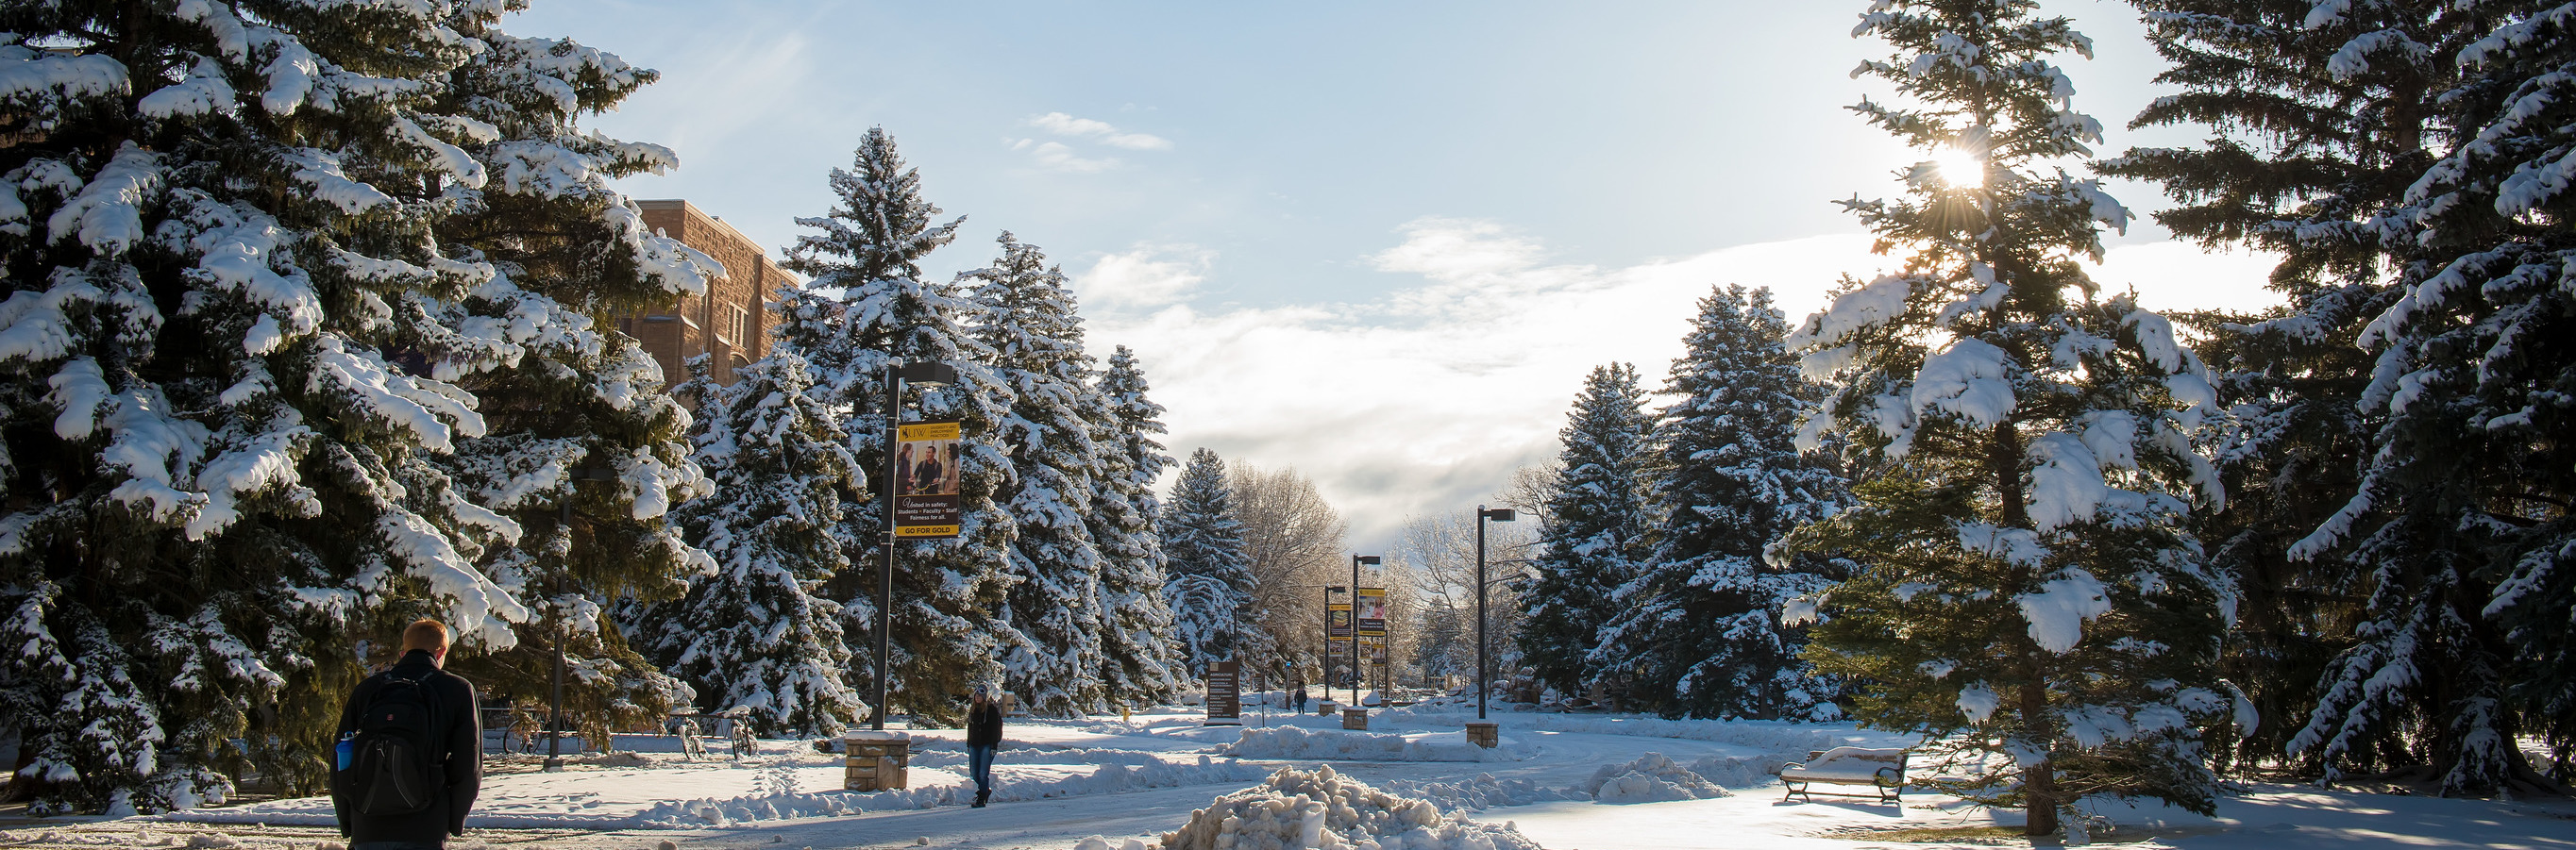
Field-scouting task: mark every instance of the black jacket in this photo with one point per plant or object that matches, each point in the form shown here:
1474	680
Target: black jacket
984	725
453	712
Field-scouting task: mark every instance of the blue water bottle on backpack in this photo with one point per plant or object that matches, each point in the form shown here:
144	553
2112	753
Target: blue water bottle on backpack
346	750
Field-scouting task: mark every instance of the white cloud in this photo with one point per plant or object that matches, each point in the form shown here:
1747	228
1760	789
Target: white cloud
1066	125
1055	155
1150	275
1426	399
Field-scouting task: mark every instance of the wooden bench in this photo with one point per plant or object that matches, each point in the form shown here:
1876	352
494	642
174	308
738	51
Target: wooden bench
1881	769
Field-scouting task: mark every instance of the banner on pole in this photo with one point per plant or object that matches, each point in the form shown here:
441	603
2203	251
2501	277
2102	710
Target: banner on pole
1337	620
1373	649
1372	614
926	503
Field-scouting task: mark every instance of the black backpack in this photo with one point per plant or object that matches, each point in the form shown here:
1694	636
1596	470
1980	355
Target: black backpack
394	764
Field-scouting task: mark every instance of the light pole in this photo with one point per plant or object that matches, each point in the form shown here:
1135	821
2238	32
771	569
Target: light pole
1482	514
896	374
1356	675
563	517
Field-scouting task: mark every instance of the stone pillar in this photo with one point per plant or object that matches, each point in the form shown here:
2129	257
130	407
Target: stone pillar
1355	718
1481	733
878	761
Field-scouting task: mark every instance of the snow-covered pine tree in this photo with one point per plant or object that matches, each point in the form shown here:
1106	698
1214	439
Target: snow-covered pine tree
1594	536
1698	631
1207	573
2311	141
2031	441
866	306
1051	619
237	362
1138	655
755	634
2472	475
558	392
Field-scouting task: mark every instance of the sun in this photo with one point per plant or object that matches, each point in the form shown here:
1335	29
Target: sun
1959	168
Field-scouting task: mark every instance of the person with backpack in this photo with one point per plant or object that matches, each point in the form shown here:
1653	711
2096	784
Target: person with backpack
983	739
410	757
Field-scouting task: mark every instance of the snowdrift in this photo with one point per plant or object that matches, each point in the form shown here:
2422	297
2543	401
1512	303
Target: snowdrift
1294	742
1108	779
1653	778
1325	810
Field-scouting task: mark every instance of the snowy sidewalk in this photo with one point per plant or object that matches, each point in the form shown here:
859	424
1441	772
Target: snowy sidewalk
1566	782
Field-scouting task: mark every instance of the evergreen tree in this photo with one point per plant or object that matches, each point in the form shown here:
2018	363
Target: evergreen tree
1698	631
1208	574
2462	514
866	307
2323	119
244	352
1137	647
560	394
754	635
1052	614
1595	531
2031	442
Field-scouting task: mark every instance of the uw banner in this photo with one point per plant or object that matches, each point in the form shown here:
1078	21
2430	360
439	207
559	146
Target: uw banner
1372	614
926	503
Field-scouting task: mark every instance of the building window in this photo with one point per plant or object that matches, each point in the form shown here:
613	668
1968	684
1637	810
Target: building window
737	320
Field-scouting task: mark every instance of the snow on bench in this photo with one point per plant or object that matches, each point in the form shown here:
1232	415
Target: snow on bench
1882	769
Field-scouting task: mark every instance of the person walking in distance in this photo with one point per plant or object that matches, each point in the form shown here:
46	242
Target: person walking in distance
410	758
983	738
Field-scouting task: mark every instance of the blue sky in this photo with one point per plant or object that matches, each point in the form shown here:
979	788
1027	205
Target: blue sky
1378	242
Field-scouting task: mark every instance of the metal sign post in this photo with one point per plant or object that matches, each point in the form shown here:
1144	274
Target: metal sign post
895	375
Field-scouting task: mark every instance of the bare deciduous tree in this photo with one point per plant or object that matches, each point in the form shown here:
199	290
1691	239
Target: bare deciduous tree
1294	539
1440	552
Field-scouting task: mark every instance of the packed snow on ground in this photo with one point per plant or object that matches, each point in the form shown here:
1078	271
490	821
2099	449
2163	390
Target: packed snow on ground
630	790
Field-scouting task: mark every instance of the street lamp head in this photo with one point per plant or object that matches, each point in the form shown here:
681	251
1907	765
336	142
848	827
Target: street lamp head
927	373
1498	514
1364	559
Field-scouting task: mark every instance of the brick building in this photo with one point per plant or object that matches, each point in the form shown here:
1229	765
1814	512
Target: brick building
732	320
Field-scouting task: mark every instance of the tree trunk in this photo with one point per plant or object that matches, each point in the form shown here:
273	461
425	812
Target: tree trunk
2039	785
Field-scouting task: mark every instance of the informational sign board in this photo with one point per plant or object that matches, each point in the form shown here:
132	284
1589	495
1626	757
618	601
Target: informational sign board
1337	620
1224	692
1372	611
1373	648
926	503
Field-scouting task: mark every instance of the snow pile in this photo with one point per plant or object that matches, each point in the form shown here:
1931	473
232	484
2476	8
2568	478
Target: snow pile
1770	736
1294	742
1653	778
1482	792
1327	811
1739	771
955	756
1095	842
1107	779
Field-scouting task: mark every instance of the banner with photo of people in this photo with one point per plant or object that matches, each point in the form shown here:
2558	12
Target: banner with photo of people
926	503
1372	611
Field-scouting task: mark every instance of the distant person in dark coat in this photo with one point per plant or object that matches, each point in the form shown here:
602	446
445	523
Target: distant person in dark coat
983	738
456	736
